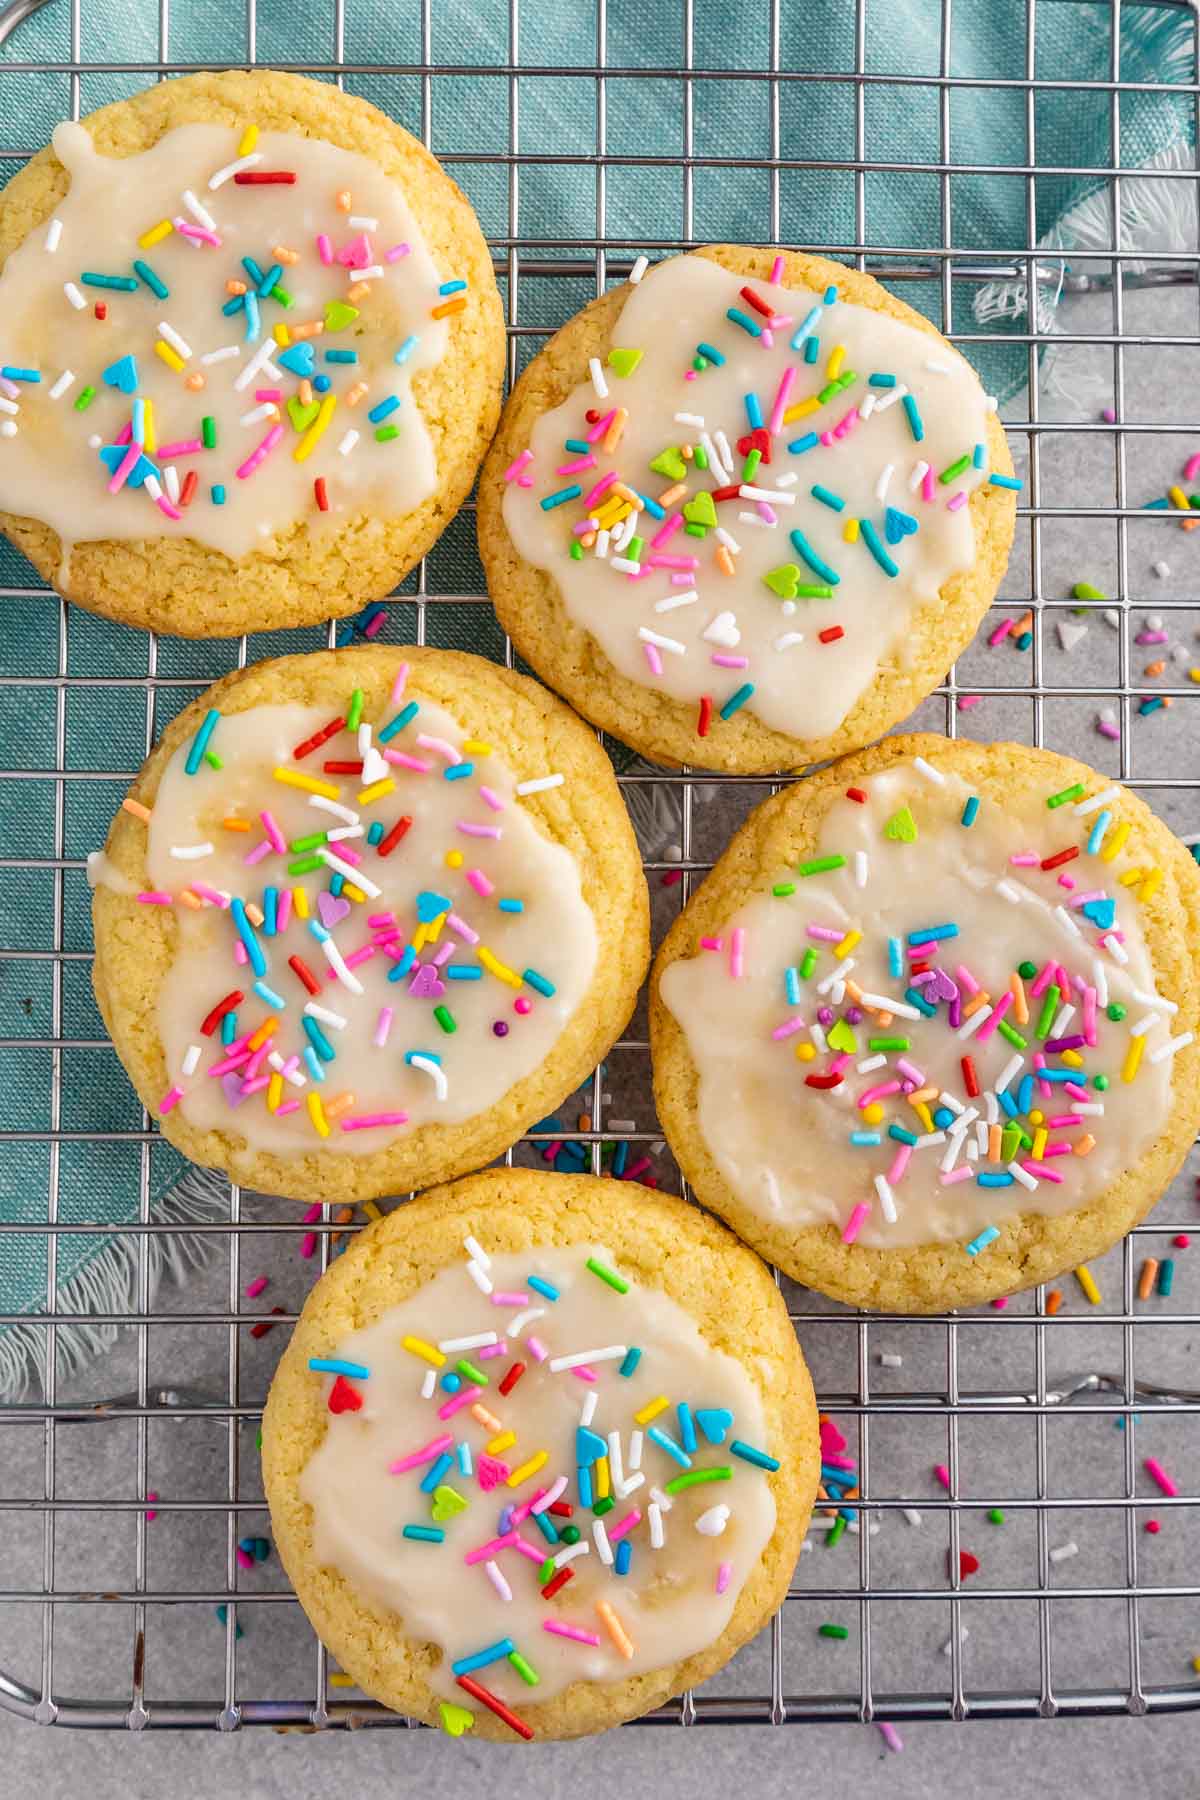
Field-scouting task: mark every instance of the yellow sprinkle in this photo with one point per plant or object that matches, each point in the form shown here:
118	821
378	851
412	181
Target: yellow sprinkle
155	235
847	944
371	1210
454	859
652	1409
528	1468
169	357
873	1114
418	1347
1115	844
338	1680
503	1442
1072	1058
1196	1664
850	532
1084	1277
801	410
293	778
316	430
601	1486
837	357
433	931
805	1052
1131	877
316	1113
376	791
1039	1143
419	936
151	444
263	1033
495	967
352	892
1133	1057
300	902
249	139
474	748
1194	674
922	1112
615	1629
1177	496
1150	885
282	335
274	1091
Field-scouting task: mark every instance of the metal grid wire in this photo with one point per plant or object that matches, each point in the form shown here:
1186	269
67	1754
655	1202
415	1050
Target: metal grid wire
995	1396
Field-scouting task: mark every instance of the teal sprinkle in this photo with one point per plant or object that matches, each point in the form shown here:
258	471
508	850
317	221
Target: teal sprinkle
633	1357
827	498
561	497
987	1236
737	700
871	539
812	349
152	281
799	445
818	566
1008	481
218	494
883	381
913	414
737	317
710	355
970	811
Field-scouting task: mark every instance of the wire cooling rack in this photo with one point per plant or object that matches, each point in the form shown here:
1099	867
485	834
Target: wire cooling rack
126	1489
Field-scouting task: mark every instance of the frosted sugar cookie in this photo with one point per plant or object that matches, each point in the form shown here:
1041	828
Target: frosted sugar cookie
746	513
540	1454
365	916
926	1033
252	355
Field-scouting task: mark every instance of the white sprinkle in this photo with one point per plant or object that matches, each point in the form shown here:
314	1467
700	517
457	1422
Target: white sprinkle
200	213
1161	569
1151	999
1172	1047
221	355
869	1064
1100	982
1059	1027
929	772
336	1020
1009	1072
570	1552
540	785
787	640
1022	1175
887	1202
616	1465
74	296
229	171
259	361
268	410
172	337
1083	807
712	1522
817	1034
690	419
890	1360
664	643
597	375
991	1107
95	441
771	495
516	1326
494	1574
673	601
1116	950
636	1441
749	518
867	405
482	1281
975	1021
890	398
171	478
360	222
9	406
1070	633
939	368
334	807
928	1139
153	487
723	451
658	1536
627	531
912	1515
663	1501
53	236
884	1003
1062	1552
953	1146
191	1058
371	273
587	1411
1112	617
950	1100
578	1358
472	1246
347	444
345	975
862	868
731	544
638	270
920	471
1146	1023
428	1383
884	482
787	480
350	873
1009	891
191	852
625	566
600	1539
1064	917
948	1646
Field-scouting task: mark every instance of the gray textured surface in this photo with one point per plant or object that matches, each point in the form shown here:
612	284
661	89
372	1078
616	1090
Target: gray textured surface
1088	1637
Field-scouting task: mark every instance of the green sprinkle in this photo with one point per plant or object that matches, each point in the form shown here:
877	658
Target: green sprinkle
750	466
953	470
821	865
446	1020
1075	792
1100	1083
783	888
996	1516
1116	1012
576	550
889	1043
282	296
1049	1008
546	1570
470	1372
615	1281
832	1631
305	866
385	433
570	1534
700	456
86	396
694	1477
808	963
603	1506
1010	1139
356	708
1012	1036
839	1526
1083	590
313	841
213	760
208	433
1027	970
528	1676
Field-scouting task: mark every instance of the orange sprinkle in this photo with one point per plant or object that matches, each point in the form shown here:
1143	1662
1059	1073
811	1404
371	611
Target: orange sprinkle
1155	668
588	539
306	392
1085	1145
612	436
339	1104
190	899
194	382
343	200
263	1033
724	560
1054	1300
359	291
235	287
458	304
1022	624
686	452
282	254
615	1629
994	1141
484	1417
1016	988
585	1122
312	328
925	1093
236	824
356	393
975	1002
137	809
1146	1279
673	494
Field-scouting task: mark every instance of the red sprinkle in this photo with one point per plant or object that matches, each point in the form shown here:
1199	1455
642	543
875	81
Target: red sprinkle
752	299
342	768
824	1081
856	794
559	1581
1063	856
831	634
705	719
343	1397
387	844
219	1010
187	492
317	739
671	878
511	1379
967	1564
101	311
562	1509
726	493
1152	1526
322	496
265	177
1182	1241
299	967
970	1077
485	1695
265	1325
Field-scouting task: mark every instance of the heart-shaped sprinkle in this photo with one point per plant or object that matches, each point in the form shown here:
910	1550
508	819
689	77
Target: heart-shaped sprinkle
455	1719
831	1438
231	1085
122	374
784	580
299	359
700	510
588	1446
840	1037
490	1472
356	255
374	766
759	439
447	1504
431	906
624	362
967	1564
338	315
723	630
302	416
715	1422
332	909
898	525
1070	633
344	1398
939	987
713	1522
901	827
669	462
426	983
1102	913
113	455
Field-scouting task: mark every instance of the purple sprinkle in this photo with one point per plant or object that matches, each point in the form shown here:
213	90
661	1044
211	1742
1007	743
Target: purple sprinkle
854	1015
826	1015
500	1028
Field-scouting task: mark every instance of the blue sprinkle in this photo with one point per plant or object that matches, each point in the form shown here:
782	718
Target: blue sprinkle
1025	1094
452	287
978	456
652	507
269	995
462	971
253	325
863	1140
799	445
544	1288
987	1236
827	498
753	411
12	374
668	1444
335	1365
895	957
427	1054
943	1118
749	1454
1009	481
970	811
624	1557
737	700
931	934
986	1179
463	1456
791	982
450	1382
322	385
384	409
807	325
511	906
482	1658
583	1478
620	1158
1011	1106
195	755
633	1357
458	771
244	929
404	717
687	1429
317	930
312	1063
270	910
1096	835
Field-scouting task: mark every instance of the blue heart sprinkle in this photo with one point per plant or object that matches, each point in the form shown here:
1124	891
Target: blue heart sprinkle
714	1422
588	1446
299	358
430	906
122	374
113	455
1101	912
898	525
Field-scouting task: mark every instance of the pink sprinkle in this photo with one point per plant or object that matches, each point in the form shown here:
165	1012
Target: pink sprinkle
311	1214
464	1397
259	456
256	1086
899	1163
653	658
480	882
957	500
737	944
376	626
877	1093
1152	1525
324	248
573	468
124	468
444	749
911	1070
185	447
1191	467
491	798
261	849
943	1475
1023	859
245	1560
254	1288
510	1299
997	1013
665	531
283	910
371	1121
927	485
288	1106
628	1523
278	842
787	1030
499	1348
786	383
124	436
1152	637
529	1551
824	935
711	943
198	232
207	893
462	929
479	831
1157	1473
1042	980
561	1629
402	760
827	439
777	268
156	898
857	1219
1001	1303
482	1552
170	1099
598	430
767	513
730	662
962	1173
396	252
400	683
264	394
724	1576
1108	414
890	1736
383	1026
1001	632
537	1349
1107	730
308	1244
1041	1171
151	1514
968	700
231	1062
